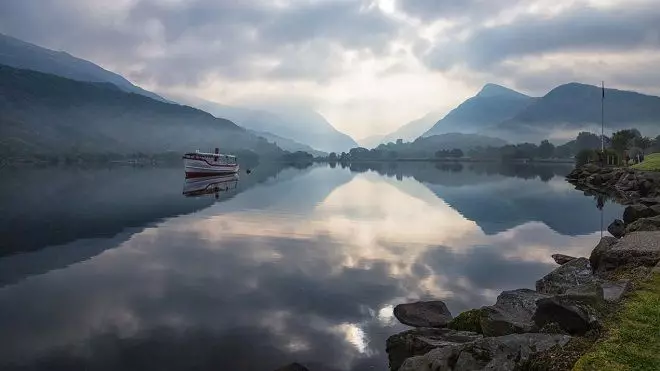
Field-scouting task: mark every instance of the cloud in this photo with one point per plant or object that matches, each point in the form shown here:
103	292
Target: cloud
431	10
188	42
536	51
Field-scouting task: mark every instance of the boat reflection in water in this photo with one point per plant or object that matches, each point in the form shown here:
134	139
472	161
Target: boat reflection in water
210	185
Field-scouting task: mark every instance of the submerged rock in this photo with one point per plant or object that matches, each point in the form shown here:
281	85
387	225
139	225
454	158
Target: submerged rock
420	341
617	228
634	249
574	273
494	353
562	259
511	314
423	314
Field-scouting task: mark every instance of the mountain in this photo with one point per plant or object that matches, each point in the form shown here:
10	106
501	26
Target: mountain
413	129
574	107
299	124
425	147
493	104
288	144
20	54
407	132
372	141
43	113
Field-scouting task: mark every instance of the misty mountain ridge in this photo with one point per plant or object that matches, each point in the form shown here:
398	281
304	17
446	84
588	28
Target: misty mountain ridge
407	132
574	107
491	105
296	123
23	55
47	114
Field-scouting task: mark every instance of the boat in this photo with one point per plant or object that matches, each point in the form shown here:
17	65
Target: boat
198	164
209	185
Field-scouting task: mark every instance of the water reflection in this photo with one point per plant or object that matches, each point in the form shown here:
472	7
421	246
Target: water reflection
211	185
303	266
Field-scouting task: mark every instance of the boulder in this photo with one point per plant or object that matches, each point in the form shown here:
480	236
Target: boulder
419	341
604	244
613	291
575	312
423	314
649	201
577	272
293	367
495	353
511	314
644	224
562	259
617	228
636	211
633	250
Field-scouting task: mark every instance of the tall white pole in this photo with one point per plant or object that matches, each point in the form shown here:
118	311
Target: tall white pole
602	119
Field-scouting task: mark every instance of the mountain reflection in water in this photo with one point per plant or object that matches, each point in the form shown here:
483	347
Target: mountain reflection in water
122	271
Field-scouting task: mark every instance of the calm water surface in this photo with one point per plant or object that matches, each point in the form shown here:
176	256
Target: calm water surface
108	269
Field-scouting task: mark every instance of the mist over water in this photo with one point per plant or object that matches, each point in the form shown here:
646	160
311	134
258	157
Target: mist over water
105	269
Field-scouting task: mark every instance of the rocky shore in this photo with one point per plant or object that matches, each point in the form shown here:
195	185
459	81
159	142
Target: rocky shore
536	329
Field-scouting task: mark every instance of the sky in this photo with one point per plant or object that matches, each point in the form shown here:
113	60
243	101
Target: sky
368	66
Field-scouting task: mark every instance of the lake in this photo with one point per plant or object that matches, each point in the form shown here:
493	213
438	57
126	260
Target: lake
116	269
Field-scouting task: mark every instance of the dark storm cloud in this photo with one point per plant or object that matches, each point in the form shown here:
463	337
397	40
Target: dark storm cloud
579	29
198	38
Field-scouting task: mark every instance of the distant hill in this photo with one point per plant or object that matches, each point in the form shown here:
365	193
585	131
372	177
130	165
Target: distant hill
43	113
425	147
573	107
298	124
288	144
20	54
407	132
493	104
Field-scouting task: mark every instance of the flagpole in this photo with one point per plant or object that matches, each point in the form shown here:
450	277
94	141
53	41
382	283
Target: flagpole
602	120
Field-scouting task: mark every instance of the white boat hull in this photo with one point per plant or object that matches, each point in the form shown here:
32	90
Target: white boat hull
205	167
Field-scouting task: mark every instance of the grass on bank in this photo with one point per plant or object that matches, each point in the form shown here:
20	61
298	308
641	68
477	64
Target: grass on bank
632	341
651	163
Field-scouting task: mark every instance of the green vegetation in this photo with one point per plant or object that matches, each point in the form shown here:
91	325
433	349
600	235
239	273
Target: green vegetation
467	321
632	341
651	163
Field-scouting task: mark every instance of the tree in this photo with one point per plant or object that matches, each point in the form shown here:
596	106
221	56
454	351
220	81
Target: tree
622	140
456	152
586	140
332	157
642	142
546	149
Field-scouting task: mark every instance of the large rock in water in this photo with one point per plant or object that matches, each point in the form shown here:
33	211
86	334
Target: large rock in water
511	314
576	272
420	341
423	314
633	250
617	228
637	211
644	224
505	353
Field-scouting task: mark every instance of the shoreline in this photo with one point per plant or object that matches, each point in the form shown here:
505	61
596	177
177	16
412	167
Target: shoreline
573	317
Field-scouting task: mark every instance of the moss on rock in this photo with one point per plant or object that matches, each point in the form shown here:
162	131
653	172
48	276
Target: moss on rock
467	321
